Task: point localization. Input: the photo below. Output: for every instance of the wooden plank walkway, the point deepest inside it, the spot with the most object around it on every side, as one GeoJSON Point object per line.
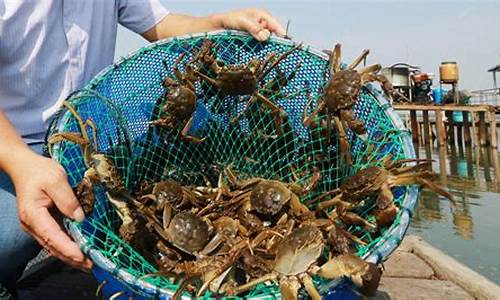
{"type": "Point", "coordinates": [416, 270]}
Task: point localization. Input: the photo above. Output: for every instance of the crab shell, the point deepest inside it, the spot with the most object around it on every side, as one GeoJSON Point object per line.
{"type": "Point", "coordinates": [299, 250]}
{"type": "Point", "coordinates": [342, 90]}
{"type": "Point", "coordinates": [269, 196]}
{"type": "Point", "coordinates": [181, 102]}
{"type": "Point", "coordinates": [238, 79]}
{"type": "Point", "coordinates": [168, 190]}
{"type": "Point", "coordinates": [188, 232]}
{"type": "Point", "coordinates": [105, 170]}
{"type": "Point", "coordinates": [365, 182]}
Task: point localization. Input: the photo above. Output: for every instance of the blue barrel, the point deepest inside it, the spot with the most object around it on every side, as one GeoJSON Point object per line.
{"type": "Point", "coordinates": [437, 94]}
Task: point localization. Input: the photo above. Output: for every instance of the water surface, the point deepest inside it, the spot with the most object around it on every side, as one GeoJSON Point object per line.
{"type": "Point", "coordinates": [470, 232]}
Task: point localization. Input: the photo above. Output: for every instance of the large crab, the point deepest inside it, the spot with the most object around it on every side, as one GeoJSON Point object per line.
{"type": "Point", "coordinates": [339, 96]}
{"type": "Point", "coordinates": [168, 194]}
{"type": "Point", "coordinates": [244, 79]}
{"type": "Point", "coordinates": [195, 235]}
{"type": "Point", "coordinates": [100, 169]}
{"type": "Point", "coordinates": [180, 101]}
{"type": "Point", "coordinates": [296, 261]}
{"type": "Point", "coordinates": [268, 197]}
{"type": "Point", "coordinates": [375, 180]}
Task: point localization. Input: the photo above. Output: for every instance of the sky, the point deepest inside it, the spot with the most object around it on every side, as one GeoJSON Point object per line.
{"type": "Point", "coordinates": [419, 32]}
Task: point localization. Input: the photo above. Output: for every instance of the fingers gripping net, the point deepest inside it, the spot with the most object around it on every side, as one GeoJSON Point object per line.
{"type": "Point", "coordinates": [123, 99]}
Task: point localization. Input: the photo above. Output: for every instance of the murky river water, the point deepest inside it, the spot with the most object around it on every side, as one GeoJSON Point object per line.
{"type": "Point", "coordinates": [470, 232]}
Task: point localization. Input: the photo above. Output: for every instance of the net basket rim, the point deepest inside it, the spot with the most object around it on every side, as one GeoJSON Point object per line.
{"type": "Point", "coordinates": [379, 251]}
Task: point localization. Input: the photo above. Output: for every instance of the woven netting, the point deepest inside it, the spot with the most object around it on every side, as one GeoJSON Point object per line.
{"type": "Point", "coordinates": [124, 98]}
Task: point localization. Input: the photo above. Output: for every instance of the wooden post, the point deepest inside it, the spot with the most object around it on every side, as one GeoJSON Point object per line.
{"type": "Point", "coordinates": [482, 129]}
{"type": "Point", "coordinates": [443, 161]}
{"type": "Point", "coordinates": [459, 135]}
{"type": "Point", "coordinates": [441, 132]}
{"type": "Point", "coordinates": [414, 125]}
{"type": "Point", "coordinates": [475, 133]}
{"type": "Point", "coordinates": [427, 139]}
{"type": "Point", "coordinates": [493, 129]}
{"type": "Point", "coordinates": [465, 116]}
{"type": "Point", "coordinates": [451, 128]}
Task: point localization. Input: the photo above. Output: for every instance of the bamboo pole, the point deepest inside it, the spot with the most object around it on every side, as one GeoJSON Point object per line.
{"type": "Point", "coordinates": [493, 129]}
{"type": "Point", "coordinates": [441, 132]}
{"type": "Point", "coordinates": [450, 128]}
{"type": "Point", "coordinates": [467, 138]}
{"type": "Point", "coordinates": [414, 126]}
{"type": "Point", "coordinates": [482, 129]}
{"type": "Point", "coordinates": [475, 132]}
{"type": "Point", "coordinates": [427, 139]}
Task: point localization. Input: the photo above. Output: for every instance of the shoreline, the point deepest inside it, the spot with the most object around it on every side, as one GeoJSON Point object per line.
{"type": "Point", "coordinates": [418, 268]}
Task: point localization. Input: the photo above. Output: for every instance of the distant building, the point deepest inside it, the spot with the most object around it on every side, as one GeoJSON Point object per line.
{"type": "Point", "coordinates": [494, 71]}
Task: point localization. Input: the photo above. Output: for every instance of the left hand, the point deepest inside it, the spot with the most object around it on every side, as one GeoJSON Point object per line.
{"type": "Point", "coordinates": [258, 22]}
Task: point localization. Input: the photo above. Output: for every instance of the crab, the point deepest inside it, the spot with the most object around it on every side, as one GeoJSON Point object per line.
{"type": "Point", "coordinates": [295, 263]}
{"type": "Point", "coordinates": [268, 197]}
{"type": "Point", "coordinates": [195, 235]}
{"type": "Point", "coordinates": [212, 270]}
{"type": "Point", "coordinates": [375, 180]}
{"type": "Point", "coordinates": [339, 96]}
{"type": "Point", "coordinates": [244, 79]}
{"type": "Point", "coordinates": [100, 169]}
{"type": "Point", "coordinates": [168, 194]}
{"type": "Point", "coordinates": [180, 101]}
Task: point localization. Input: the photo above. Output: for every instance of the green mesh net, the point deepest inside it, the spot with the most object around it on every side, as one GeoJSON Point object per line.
{"type": "Point", "coordinates": [125, 97]}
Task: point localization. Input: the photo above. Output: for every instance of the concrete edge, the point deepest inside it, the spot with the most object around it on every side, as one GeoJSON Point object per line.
{"type": "Point", "coordinates": [445, 266]}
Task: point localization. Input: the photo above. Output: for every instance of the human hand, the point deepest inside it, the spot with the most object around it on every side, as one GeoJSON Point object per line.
{"type": "Point", "coordinates": [42, 185]}
{"type": "Point", "coordinates": [258, 22]}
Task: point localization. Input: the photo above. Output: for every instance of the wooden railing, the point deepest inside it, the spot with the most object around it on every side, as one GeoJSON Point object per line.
{"type": "Point", "coordinates": [480, 130]}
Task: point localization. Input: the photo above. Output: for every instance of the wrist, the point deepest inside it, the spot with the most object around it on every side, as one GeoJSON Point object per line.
{"type": "Point", "coordinates": [217, 21]}
{"type": "Point", "coordinates": [14, 163]}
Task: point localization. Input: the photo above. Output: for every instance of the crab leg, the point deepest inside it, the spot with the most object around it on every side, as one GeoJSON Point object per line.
{"type": "Point", "coordinates": [278, 60]}
{"type": "Point", "coordinates": [307, 120]}
{"type": "Point", "coordinates": [247, 286]}
{"type": "Point", "coordinates": [264, 235]}
{"type": "Point", "coordinates": [277, 112]}
{"type": "Point", "coordinates": [351, 218]}
{"type": "Point", "coordinates": [289, 288]}
{"type": "Point", "coordinates": [190, 138]}
{"type": "Point", "coordinates": [206, 78]}
{"type": "Point", "coordinates": [420, 179]}
{"type": "Point", "coordinates": [343, 143]}
{"type": "Point", "coordinates": [334, 61]}
{"type": "Point", "coordinates": [354, 124]}
{"type": "Point", "coordinates": [62, 136]}
{"type": "Point", "coordinates": [368, 70]}
{"type": "Point", "coordinates": [177, 73]}
{"type": "Point", "coordinates": [86, 149]}
{"type": "Point", "coordinates": [267, 61]}
{"type": "Point", "coordinates": [359, 59]}
{"type": "Point", "coordinates": [434, 187]}
{"type": "Point", "coordinates": [183, 286]}
{"type": "Point", "coordinates": [329, 203]}
{"type": "Point", "coordinates": [318, 198]}
{"type": "Point", "coordinates": [309, 286]}
{"type": "Point", "coordinates": [351, 236]}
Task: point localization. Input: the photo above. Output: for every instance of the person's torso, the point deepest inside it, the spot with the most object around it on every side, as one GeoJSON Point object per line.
{"type": "Point", "coordinates": [46, 52]}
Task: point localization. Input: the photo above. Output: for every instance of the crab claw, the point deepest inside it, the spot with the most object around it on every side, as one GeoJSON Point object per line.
{"type": "Point", "coordinates": [364, 274]}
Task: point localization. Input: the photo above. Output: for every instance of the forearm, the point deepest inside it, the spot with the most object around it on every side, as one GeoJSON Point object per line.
{"type": "Point", "coordinates": [176, 24]}
{"type": "Point", "coordinates": [12, 146]}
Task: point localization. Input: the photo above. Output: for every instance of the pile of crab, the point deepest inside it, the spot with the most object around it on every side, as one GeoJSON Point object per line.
{"type": "Point", "coordinates": [244, 231]}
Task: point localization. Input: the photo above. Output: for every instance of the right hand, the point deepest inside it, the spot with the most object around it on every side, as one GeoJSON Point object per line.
{"type": "Point", "coordinates": [41, 184]}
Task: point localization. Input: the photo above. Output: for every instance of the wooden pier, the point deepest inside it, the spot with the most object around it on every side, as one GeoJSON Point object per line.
{"type": "Point", "coordinates": [481, 130]}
